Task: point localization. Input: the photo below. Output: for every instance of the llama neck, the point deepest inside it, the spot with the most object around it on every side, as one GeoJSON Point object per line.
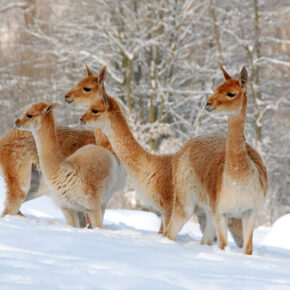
{"type": "Point", "coordinates": [236, 161]}
{"type": "Point", "coordinates": [102, 140]}
{"type": "Point", "coordinates": [50, 156]}
{"type": "Point", "coordinates": [124, 144]}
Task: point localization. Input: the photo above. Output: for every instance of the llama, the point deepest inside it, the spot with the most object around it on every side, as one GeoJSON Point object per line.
{"type": "Point", "coordinates": [225, 176]}
{"type": "Point", "coordinates": [158, 191]}
{"type": "Point", "coordinates": [85, 180]}
{"type": "Point", "coordinates": [19, 163]}
{"type": "Point", "coordinates": [90, 90]}
{"type": "Point", "coordinates": [151, 174]}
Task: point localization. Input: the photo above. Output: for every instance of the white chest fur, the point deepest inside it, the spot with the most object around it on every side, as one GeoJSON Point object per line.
{"type": "Point", "coordinates": [239, 196]}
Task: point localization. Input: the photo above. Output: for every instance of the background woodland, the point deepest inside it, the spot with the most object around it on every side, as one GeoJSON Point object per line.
{"type": "Point", "coordinates": [162, 59]}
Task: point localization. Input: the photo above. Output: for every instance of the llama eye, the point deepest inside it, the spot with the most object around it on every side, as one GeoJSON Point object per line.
{"type": "Point", "coordinates": [230, 95]}
{"type": "Point", "coordinates": [29, 116]}
{"type": "Point", "coordinates": [87, 89]}
{"type": "Point", "coordinates": [95, 111]}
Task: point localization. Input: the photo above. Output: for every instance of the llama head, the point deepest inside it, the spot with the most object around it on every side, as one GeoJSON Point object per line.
{"type": "Point", "coordinates": [230, 97]}
{"type": "Point", "coordinates": [88, 89]}
{"type": "Point", "coordinates": [34, 116]}
{"type": "Point", "coordinates": [99, 113]}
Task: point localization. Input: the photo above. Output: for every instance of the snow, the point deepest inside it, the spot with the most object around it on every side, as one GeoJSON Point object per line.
{"type": "Point", "coordinates": [279, 236]}
{"type": "Point", "coordinates": [42, 252]}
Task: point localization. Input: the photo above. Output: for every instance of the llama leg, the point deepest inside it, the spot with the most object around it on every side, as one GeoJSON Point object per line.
{"type": "Point", "coordinates": [221, 229]}
{"type": "Point", "coordinates": [20, 213]}
{"type": "Point", "coordinates": [209, 230]}
{"type": "Point", "coordinates": [88, 221]}
{"type": "Point", "coordinates": [160, 232]}
{"type": "Point", "coordinates": [165, 219]}
{"type": "Point", "coordinates": [15, 196]}
{"type": "Point", "coordinates": [182, 211]}
{"type": "Point", "coordinates": [201, 219]}
{"type": "Point", "coordinates": [248, 228]}
{"type": "Point", "coordinates": [103, 208]}
{"type": "Point", "coordinates": [80, 219]}
{"type": "Point", "coordinates": [69, 216]}
{"type": "Point", "coordinates": [96, 218]}
{"type": "Point", "coordinates": [236, 230]}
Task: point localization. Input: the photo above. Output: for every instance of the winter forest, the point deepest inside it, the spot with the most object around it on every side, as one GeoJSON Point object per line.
{"type": "Point", "coordinates": [163, 62]}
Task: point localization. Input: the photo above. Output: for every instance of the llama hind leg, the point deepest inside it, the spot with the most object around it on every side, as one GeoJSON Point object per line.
{"type": "Point", "coordinates": [160, 232]}
{"type": "Point", "coordinates": [248, 229]}
{"type": "Point", "coordinates": [16, 193]}
{"type": "Point", "coordinates": [165, 220]}
{"type": "Point", "coordinates": [182, 211]}
{"type": "Point", "coordinates": [80, 219]}
{"type": "Point", "coordinates": [236, 230]}
{"type": "Point", "coordinates": [103, 208]}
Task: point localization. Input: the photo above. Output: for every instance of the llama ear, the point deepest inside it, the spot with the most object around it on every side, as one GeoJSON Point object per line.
{"type": "Point", "coordinates": [89, 73]}
{"type": "Point", "coordinates": [102, 75]}
{"type": "Point", "coordinates": [105, 100]}
{"type": "Point", "coordinates": [243, 77]}
{"type": "Point", "coordinates": [226, 75]}
{"type": "Point", "coordinates": [49, 108]}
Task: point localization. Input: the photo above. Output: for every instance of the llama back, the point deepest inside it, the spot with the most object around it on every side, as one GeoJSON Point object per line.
{"type": "Point", "coordinates": [205, 155]}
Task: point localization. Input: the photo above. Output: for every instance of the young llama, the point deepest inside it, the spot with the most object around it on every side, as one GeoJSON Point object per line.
{"type": "Point", "coordinates": [225, 176]}
{"type": "Point", "coordinates": [83, 181]}
{"type": "Point", "coordinates": [157, 188]}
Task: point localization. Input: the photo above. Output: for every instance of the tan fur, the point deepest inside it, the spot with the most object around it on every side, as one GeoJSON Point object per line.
{"type": "Point", "coordinates": [151, 174]}
{"type": "Point", "coordinates": [18, 155]}
{"type": "Point", "coordinates": [78, 96]}
{"type": "Point", "coordinates": [225, 176]}
{"type": "Point", "coordinates": [85, 180]}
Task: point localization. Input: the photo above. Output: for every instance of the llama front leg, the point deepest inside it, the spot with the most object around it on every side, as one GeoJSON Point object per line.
{"type": "Point", "coordinates": [248, 228]}
{"type": "Point", "coordinates": [69, 216]}
{"type": "Point", "coordinates": [96, 217]}
{"type": "Point", "coordinates": [209, 230]}
{"type": "Point", "coordinates": [221, 229]}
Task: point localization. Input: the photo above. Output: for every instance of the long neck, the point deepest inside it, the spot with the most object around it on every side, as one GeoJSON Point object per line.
{"type": "Point", "coordinates": [102, 140]}
{"type": "Point", "coordinates": [50, 156]}
{"type": "Point", "coordinates": [123, 141]}
{"type": "Point", "coordinates": [237, 161]}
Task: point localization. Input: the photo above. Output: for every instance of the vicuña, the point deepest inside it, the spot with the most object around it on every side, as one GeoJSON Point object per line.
{"type": "Point", "coordinates": [225, 176]}
{"type": "Point", "coordinates": [152, 174]}
{"type": "Point", "coordinates": [83, 181]}
{"type": "Point", "coordinates": [19, 163]}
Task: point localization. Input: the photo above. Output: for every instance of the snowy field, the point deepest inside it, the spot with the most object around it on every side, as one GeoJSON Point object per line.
{"type": "Point", "coordinates": [42, 252]}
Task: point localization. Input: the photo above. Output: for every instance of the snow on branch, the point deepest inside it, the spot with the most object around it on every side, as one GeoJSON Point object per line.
{"type": "Point", "coordinates": [272, 60]}
{"type": "Point", "coordinates": [14, 5]}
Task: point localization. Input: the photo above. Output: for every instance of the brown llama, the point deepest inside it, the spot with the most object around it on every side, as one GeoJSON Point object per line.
{"type": "Point", "coordinates": [85, 180]}
{"type": "Point", "coordinates": [19, 163]}
{"type": "Point", "coordinates": [225, 176]}
{"type": "Point", "coordinates": [90, 90]}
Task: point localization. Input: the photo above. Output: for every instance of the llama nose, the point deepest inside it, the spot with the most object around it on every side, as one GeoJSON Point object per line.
{"type": "Point", "coordinates": [17, 123]}
{"type": "Point", "coordinates": [207, 106]}
{"type": "Point", "coordinates": [82, 122]}
{"type": "Point", "coordinates": [68, 99]}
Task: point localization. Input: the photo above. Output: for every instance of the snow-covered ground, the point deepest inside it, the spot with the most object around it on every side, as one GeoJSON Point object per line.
{"type": "Point", "coordinates": [42, 252]}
